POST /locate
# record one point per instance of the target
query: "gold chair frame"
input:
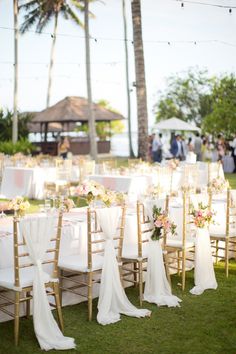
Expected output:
(66, 274)
(228, 238)
(24, 294)
(139, 264)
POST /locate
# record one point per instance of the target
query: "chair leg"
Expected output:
(17, 317)
(28, 305)
(217, 250)
(90, 299)
(183, 270)
(140, 281)
(227, 257)
(136, 267)
(58, 305)
(178, 262)
(166, 262)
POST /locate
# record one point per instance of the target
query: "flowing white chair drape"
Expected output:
(112, 298)
(37, 232)
(204, 275)
(157, 288)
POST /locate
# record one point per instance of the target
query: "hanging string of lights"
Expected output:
(183, 2)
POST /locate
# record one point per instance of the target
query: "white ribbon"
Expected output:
(37, 233)
(112, 298)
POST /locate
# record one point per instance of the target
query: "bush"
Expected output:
(24, 146)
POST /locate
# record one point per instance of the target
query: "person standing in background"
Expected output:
(157, 148)
(233, 145)
(198, 147)
(63, 147)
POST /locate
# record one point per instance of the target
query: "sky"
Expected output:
(175, 39)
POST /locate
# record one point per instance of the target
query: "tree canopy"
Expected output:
(209, 102)
(186, 97)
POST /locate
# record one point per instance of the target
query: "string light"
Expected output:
(206, 4)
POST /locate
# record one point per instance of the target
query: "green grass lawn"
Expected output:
(204, 324)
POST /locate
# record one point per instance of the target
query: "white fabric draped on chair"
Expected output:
(112, 298)
(204, 275)
(37, 233)
(157, 288)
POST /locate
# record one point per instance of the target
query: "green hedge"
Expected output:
(24, 146)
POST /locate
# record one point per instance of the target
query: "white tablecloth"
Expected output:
(29, 182)
(133, 185)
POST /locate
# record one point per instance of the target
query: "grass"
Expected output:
(203, 324)
(231, 177)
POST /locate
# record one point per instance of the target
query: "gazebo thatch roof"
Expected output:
(74, 109)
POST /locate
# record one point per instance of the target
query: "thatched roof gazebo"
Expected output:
(68, 112)
(65, 114)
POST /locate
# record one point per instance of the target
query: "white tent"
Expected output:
(174, 124)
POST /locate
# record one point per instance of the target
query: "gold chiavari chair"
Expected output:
(134, 261)
(109, 165)
(90, 262)
(213, 170)
(86, 168)
(182, 244)
(165, 178)
(132, 163)
(190, 176)
(224, 235)
(19, 278)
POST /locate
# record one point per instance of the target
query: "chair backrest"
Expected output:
(63, 169)
(86, 168)
(109, 165)
(21, 254)
(145, 226)
(95, 238)
(165, 177)
(190, 176)
(213, 170)
(134, 162)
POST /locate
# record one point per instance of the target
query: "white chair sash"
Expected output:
(112, 298)
(204, 275)
(37, 233)
(157, 289)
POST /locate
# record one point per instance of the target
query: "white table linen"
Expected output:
(37, 232)
(112, 298)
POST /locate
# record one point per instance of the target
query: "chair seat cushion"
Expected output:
(79, 263)
(219, 231)
(7, 278)
(177, 243)
(131, 251)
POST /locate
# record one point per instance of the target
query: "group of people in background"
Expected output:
(202, 146)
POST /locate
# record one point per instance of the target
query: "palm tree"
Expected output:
(131, 153)
(92, 128)
(40, 12)
(15, 100)
(140, 80)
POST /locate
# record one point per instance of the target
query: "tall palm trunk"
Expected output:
(15, 100)
(52, 57)
(92, 129)
(131, 153)
(140, 80)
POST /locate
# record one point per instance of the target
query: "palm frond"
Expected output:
(68, 12)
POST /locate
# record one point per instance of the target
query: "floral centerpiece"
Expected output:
(202, 216)
(218, 185)
(19, 205)
(162, 224)
(89, 190)
(173, 163)
(68, 204)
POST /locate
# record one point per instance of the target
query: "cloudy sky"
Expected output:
(175, 38)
